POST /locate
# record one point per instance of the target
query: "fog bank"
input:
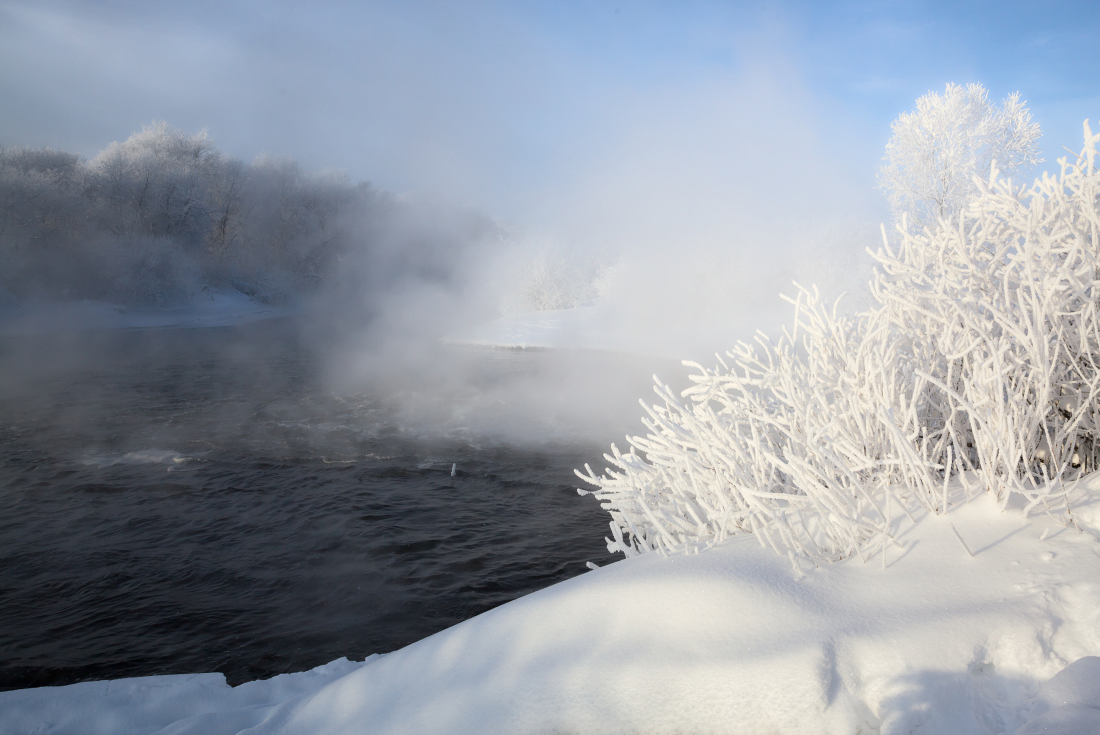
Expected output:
(687, 211)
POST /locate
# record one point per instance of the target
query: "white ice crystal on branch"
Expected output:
(936, 150)
(999, 310)
(981, 358)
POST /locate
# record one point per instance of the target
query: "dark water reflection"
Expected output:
(175, 501)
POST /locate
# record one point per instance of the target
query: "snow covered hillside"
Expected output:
(729, 641)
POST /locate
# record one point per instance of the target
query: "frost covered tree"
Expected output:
(977, 370)
(937, 149)
(41, 192)
(549, 277)
(155, 182)
(164, 213)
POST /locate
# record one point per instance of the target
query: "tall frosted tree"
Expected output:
(937, 149)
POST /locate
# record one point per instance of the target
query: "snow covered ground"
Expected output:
(208, 309)
(733, 640)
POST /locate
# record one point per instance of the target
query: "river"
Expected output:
(179, 501)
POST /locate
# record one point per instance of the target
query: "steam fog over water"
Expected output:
(179, 500)
(266, 498)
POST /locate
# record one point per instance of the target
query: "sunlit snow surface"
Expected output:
(733, 640)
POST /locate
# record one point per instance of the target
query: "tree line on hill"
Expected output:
(164, 214)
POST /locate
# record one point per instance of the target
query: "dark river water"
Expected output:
(177, 501)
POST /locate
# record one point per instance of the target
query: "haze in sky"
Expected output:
(712, 151)
(517, 108)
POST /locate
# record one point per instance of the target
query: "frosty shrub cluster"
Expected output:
(980, 360)
(163, 214)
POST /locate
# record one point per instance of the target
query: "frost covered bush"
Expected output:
(775, 441)
(980, 358)
(999, 312)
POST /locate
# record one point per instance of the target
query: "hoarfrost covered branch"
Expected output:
(937, 149)
(980, 359)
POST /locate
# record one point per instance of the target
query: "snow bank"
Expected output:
(1069, 704)
(731, 641)
(199, 703)
(209, 309)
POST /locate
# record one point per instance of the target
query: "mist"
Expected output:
(679, 237)
(672, 205)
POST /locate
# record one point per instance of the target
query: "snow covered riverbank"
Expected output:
(731, 640)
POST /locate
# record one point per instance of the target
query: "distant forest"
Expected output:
(163, 215)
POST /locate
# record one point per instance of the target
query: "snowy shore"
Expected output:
(930, 639)
(731, 640)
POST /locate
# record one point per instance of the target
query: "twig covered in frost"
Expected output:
(981, 359)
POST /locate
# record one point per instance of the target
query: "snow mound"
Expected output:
(1072, 701)
(1077, 685)
(185, 703)
(731, 641)
(1067, 720)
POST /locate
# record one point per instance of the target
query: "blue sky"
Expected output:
(533, 111)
